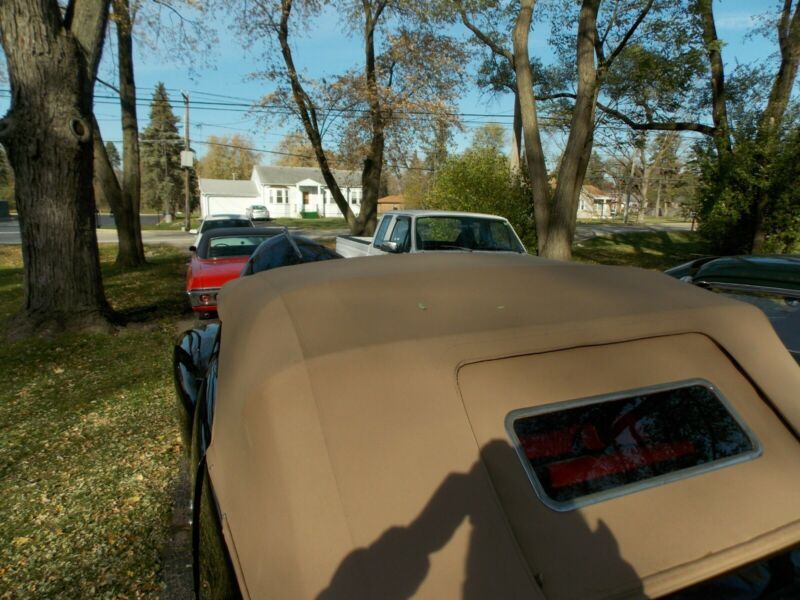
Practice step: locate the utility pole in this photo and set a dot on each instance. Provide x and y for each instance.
(187, 195)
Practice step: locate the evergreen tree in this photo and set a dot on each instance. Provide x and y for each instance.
(162, 180)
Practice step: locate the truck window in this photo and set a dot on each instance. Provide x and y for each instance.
(381, 234)
(464, 232)
(401, 234)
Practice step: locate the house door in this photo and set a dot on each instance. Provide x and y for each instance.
(306, 196)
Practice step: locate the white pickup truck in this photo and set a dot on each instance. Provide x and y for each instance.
(402, 231)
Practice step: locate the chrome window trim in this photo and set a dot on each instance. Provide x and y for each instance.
(631, 488)
(746, 287)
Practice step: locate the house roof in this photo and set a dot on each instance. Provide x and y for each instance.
(595, 191)
(228, 187)
(393, 199)
(275, 175)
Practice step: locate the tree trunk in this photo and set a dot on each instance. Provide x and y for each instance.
(126, 220)
(516, 135)
(719, 107)
(769, 124)
(48, 137)
(658, 198)
(575, 161)
(534, 153)
(308, 116)
(373, 164)
(129, 226)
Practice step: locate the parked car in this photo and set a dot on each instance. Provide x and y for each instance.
(195, 346)
(285, 250)
(219, 258)
(257, 212)
(772, 283)
(489, 426)
(440, 231)
(220, 222)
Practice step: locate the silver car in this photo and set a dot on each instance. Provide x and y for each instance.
(257, 212)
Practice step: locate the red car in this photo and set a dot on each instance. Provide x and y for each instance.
(218, 258)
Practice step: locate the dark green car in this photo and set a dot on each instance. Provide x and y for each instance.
(772, 283)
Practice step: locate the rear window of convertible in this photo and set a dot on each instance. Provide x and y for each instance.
(583, 451)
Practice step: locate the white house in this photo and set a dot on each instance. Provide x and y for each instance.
(594, 203)
(285, 191)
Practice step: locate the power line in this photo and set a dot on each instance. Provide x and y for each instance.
(176, 140)
(252, 107)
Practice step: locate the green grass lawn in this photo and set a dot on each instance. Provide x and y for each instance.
(311, 223)
(650, 250)
(89, 444)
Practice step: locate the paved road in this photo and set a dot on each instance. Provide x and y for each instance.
(9, 234)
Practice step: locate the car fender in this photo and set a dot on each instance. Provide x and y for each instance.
(190, 357)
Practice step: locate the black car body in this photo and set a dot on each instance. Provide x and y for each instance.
(772, 283)
(195, 358)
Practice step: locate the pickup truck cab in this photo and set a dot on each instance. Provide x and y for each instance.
(440, 231)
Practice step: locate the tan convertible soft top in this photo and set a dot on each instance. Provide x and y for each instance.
(359, 449)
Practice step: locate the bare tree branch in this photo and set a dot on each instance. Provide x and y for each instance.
(108, 85)
(175, 11)
(483, 37)
(628, 34)
(648, 125)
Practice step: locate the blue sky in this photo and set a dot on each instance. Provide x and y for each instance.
(326, 50)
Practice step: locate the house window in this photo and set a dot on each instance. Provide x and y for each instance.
(278, 195)
(355, 196)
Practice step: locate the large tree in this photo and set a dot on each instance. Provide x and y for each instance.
(52, 63)
(162, 181)
(369, 104)
(122, 196)
(160, 27)
(632, 61)
(744, 188)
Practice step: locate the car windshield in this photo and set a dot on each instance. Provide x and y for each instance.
(240, 245)
(220, 223)
(466, 233)
(782, 311)
(259, 207)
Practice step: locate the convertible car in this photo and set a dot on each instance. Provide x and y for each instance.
(217, 259)
(493, 426)
(772, 283)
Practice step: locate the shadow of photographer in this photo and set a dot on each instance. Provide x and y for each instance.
(397, 563)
